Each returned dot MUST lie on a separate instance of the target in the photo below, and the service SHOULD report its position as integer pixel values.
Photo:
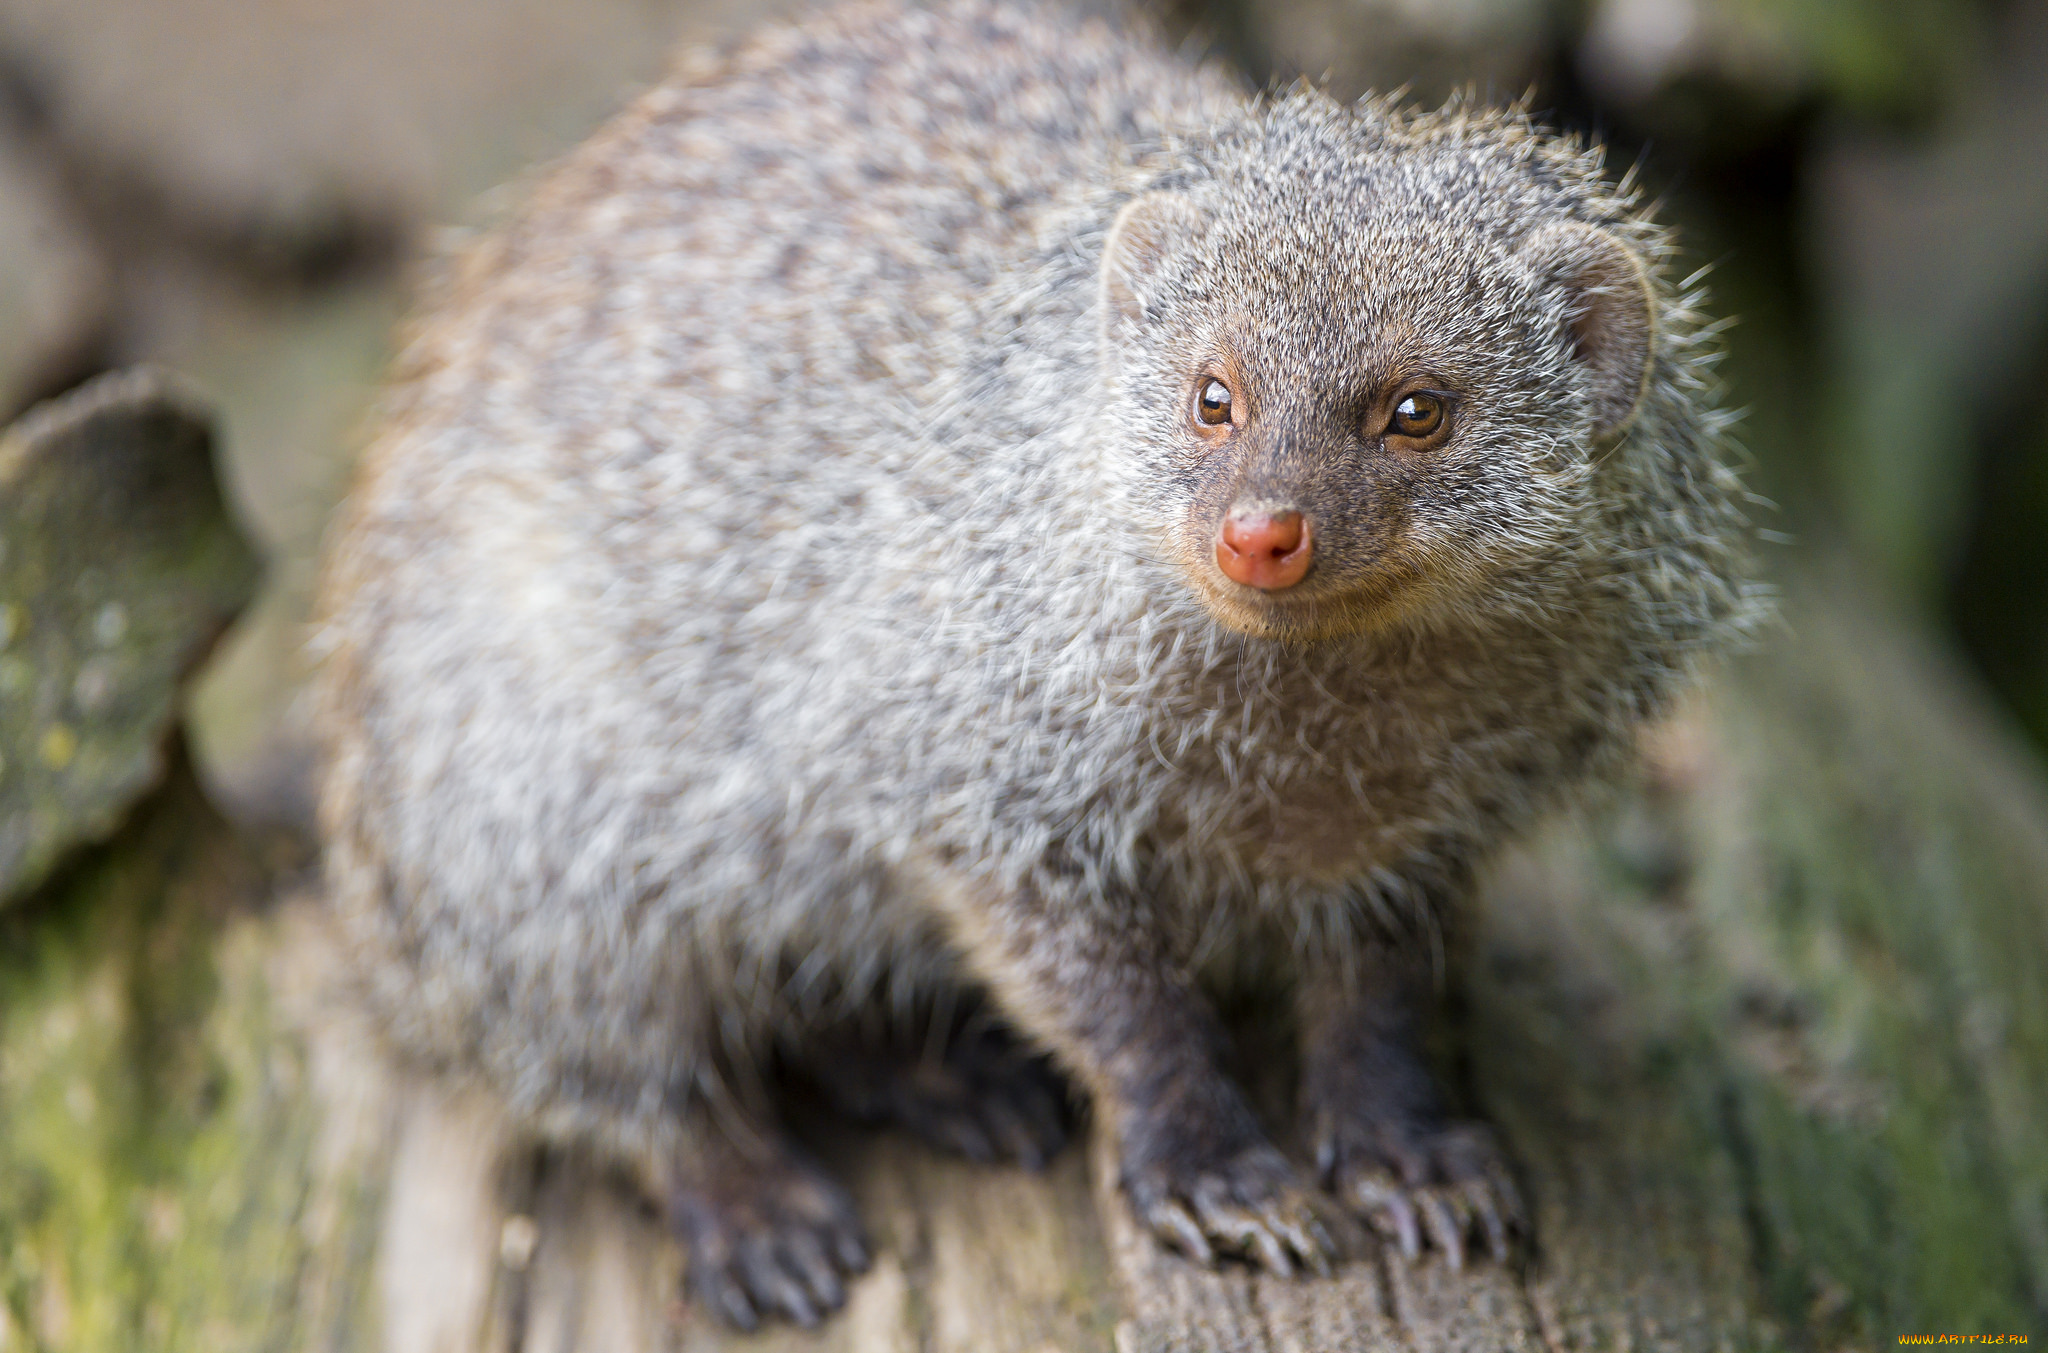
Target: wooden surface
(1765, 1034)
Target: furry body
(771, 588)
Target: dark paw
(1210, 1187)
(1416, 1184)
(774, 1238)
(984, 1096)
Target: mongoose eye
(1418, 415)
(1212, 405)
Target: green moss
(156, 1129)
(1892, 1148)
(1770, 1033)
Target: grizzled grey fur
(783, 581)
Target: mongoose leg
(1198, 1169)
(964, 1085)
(1382, 1142)
(767, 1231)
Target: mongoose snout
(1269, 549)
(958, 509)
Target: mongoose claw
(1247, 1203)
(766, 1239)
(1422, 1186)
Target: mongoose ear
(1139, 239)
(1611, 312)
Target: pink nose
(1266, 550)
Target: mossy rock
(159, 1182)
(119, 567)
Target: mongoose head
(1362, 364)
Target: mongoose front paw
(770, 1237)
(985, 1096)
(1417, 1182)
(1204, 1192)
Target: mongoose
(955, 498)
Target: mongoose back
(956, 499)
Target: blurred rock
(1429, 47)
(54, 294)
(119, 567)
(296, 381)
(284, 121)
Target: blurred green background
(238, 188)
